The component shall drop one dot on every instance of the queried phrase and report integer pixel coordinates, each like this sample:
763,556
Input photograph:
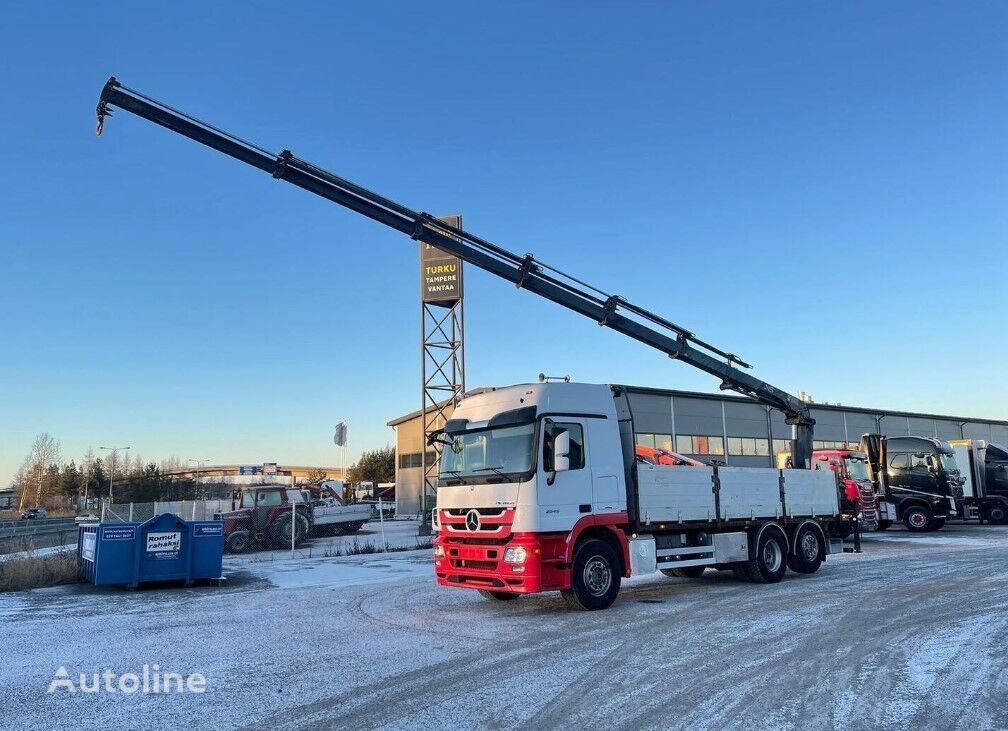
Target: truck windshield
948,463
857,469
484,452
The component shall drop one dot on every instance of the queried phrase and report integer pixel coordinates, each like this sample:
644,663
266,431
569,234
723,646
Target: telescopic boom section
526,272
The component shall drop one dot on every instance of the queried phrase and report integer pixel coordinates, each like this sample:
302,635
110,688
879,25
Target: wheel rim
997,515
917,520
810,546
772,557
597,576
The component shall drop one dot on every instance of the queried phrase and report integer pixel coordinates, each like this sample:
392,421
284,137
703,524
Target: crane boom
526,272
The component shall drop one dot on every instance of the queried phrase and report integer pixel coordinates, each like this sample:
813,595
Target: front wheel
842,530
768,563
595,576
238,542
918,519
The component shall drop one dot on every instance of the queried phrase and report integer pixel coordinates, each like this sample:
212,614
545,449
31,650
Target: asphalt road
910,634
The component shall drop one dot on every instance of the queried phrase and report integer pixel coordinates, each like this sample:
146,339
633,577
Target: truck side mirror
561,451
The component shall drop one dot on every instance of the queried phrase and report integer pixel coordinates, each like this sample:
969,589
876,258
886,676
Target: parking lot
911,631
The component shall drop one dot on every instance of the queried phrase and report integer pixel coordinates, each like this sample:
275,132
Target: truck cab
858,495
919,477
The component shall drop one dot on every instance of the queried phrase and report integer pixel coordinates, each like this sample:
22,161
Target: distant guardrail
11,528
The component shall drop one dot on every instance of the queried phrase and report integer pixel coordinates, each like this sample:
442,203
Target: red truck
857,495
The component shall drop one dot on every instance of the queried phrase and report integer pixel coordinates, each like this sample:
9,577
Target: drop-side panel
749,492
670,494
810,493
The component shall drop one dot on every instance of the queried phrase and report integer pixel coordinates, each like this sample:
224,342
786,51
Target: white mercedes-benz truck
540,490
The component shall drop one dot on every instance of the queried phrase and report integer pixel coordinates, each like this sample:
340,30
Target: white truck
984,467
540,490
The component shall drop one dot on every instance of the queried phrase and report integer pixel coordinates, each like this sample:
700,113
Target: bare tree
45,452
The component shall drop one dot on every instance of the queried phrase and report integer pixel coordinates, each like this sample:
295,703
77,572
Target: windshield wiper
457,475
492,469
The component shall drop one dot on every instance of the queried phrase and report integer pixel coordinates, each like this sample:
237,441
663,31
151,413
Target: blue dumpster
164,548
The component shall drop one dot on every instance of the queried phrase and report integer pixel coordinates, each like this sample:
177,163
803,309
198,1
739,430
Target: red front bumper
476,563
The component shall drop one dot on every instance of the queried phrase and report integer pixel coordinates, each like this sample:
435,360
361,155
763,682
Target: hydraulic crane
526,272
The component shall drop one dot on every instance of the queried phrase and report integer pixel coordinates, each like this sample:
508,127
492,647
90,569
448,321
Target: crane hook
102,111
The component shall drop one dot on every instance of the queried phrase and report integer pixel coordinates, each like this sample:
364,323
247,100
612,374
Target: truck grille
476,524
867,505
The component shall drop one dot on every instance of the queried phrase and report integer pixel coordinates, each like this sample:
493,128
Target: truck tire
501,596
885,524
918,519
768,562
996,514
809,550
238,542
282,530
595,576
686,572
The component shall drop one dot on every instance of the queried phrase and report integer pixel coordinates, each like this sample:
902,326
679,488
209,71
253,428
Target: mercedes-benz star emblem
472,520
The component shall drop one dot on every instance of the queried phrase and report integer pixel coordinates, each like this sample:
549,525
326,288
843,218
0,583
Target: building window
782,446
656,441
703,445
412,461
748,447
829,444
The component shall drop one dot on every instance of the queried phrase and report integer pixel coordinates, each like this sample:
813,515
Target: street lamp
112,467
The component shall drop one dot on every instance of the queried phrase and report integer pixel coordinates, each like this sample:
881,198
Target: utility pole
113,450
198,462
87,479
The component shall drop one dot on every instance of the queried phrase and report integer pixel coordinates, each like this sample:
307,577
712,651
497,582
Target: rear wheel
808,552
595,576
501,596
918,519
996,514
768,563
282,529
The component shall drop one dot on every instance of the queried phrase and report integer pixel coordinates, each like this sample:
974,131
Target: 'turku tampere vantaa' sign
440,272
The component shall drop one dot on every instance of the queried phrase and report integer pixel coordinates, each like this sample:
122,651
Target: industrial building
731,429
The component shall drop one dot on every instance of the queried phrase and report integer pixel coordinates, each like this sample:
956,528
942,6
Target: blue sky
819,187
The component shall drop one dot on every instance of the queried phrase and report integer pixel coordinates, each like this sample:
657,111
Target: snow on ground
910,634
49,551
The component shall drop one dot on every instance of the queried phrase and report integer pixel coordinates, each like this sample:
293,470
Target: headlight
517,554
438,551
